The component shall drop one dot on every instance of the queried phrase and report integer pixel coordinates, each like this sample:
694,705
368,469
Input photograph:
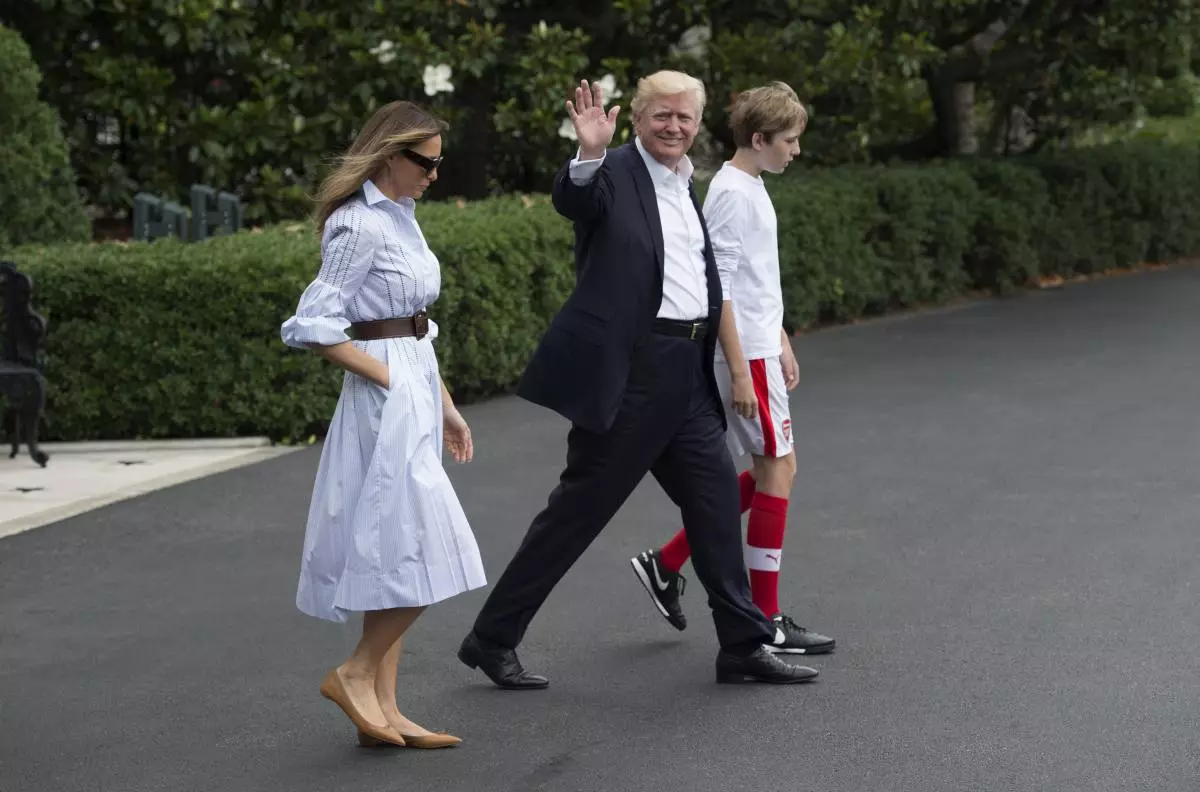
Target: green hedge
169,339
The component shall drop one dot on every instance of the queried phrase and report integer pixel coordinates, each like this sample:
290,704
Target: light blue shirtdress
385,527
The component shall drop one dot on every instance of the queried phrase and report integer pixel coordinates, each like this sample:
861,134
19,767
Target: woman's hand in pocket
356,361
381,376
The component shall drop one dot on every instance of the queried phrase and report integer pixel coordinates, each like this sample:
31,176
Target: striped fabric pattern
385,527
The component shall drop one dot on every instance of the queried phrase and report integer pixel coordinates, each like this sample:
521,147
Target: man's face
667,126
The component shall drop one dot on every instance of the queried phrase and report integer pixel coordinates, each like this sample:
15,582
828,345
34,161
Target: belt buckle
692,335
421,324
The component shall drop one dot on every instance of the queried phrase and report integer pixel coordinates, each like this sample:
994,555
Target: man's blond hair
667,83
769,109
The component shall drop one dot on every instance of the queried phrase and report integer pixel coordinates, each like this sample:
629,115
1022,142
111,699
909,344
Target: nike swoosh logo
779,636
658,581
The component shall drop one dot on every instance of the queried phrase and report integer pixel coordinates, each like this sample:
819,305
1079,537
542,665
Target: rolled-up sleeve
346,255
726,217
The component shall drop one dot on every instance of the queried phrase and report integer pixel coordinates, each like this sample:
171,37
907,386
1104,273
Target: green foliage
168,339
531,111
1178,130
1013,216
506,268
1117,204
1174,97
881,77
828,268
863,85
37,186
856,241
254,97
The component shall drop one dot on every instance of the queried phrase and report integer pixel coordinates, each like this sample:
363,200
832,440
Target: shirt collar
659,173
374,195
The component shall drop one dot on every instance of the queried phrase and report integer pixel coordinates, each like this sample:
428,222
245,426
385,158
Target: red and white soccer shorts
769,433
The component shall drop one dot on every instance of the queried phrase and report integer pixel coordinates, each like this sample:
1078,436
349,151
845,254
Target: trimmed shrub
37,185
1117,204
169,339
1012,216
828,268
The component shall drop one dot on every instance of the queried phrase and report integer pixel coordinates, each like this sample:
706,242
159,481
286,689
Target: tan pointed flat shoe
333,689
415,740
431,740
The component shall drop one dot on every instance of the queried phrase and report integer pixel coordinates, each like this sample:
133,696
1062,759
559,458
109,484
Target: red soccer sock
675,553
764,550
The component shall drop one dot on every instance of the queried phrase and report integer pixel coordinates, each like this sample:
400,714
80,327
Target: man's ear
758,141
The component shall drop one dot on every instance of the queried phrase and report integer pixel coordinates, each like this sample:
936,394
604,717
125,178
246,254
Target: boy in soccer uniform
755,366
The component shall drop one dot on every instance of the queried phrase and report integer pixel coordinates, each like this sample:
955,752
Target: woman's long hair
395,126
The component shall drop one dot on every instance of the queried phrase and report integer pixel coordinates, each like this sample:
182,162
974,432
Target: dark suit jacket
581,366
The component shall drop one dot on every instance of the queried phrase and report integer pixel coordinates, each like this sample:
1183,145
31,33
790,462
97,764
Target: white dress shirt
742,225
685,287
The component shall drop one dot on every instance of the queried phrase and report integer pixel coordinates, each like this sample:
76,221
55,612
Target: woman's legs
382,630
385,689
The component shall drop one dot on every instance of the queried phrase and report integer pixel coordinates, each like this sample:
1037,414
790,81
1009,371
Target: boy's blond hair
769,109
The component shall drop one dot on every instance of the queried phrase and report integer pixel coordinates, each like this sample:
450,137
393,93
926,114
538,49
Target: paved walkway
84,476
997,515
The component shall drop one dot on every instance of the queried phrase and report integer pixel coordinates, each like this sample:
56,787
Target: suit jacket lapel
649,200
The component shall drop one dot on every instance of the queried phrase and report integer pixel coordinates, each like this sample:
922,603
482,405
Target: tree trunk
952,86
944,93
465,172
964,114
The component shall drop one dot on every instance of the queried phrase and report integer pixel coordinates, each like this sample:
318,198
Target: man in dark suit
629,361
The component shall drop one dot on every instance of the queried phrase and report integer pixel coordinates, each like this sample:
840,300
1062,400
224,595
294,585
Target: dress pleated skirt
385,527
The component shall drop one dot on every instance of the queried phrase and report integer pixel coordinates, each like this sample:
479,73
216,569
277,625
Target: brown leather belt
397,327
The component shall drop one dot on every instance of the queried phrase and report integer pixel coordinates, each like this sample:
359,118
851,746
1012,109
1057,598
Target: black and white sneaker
791,638
664,587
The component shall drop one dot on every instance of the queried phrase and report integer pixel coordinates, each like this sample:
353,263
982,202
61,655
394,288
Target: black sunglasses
429,164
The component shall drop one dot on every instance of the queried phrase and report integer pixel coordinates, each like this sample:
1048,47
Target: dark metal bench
21,381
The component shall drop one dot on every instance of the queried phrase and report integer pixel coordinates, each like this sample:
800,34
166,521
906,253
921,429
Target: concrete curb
253,454
182,444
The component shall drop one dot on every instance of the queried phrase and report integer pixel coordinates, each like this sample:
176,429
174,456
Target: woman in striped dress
386,534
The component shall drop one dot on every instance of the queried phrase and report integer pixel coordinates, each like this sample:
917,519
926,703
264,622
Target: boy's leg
768,522
776,467
775,470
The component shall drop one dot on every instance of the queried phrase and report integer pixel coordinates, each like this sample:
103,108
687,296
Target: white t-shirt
741,224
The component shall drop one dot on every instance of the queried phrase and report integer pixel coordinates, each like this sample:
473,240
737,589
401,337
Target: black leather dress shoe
501,665
761,666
